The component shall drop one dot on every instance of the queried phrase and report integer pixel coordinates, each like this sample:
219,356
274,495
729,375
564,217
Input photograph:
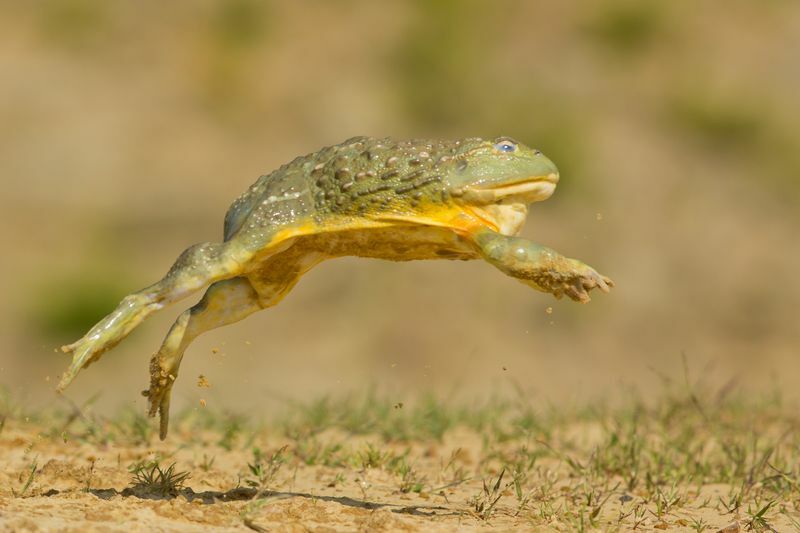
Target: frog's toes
578,291
604,283
159,393
69,348
159,400
84,352
578,284
160,382
106,334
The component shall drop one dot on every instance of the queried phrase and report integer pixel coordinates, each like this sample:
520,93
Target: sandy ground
84,483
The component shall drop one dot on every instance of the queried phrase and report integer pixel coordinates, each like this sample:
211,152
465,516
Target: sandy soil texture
373,466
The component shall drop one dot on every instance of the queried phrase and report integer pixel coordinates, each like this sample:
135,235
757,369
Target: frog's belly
275,274
399,243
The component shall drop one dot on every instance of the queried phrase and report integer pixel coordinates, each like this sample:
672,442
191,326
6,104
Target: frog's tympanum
366,197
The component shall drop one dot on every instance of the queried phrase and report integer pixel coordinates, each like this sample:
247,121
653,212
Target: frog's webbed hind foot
106,334
196,267
225,302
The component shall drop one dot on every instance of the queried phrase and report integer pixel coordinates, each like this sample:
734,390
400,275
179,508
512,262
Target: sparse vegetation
263,470
207,463
483,504
690,459
150,479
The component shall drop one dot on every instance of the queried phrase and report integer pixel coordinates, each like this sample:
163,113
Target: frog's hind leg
224,302
196,267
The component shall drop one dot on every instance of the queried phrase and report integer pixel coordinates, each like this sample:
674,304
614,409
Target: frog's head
500,171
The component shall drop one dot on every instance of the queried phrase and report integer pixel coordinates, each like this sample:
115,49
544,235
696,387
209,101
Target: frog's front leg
540,267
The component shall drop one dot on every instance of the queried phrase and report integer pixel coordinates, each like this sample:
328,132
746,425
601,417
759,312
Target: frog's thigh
279,276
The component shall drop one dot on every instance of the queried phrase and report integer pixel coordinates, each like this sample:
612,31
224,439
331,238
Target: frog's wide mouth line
519,186
524,190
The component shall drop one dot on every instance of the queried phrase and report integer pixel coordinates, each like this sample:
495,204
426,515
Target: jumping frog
366,197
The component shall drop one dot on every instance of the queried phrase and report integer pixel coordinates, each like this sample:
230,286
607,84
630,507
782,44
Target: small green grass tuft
263,470
150,479
207,463
484,503
757,518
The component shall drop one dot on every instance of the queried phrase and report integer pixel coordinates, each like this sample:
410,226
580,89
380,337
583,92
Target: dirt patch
678,464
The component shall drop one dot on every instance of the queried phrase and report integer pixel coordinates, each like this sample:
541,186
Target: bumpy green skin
368,177
362,174
397,200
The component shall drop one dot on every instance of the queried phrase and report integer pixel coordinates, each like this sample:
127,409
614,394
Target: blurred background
127,128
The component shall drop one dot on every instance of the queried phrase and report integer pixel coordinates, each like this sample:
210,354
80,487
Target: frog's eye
505,146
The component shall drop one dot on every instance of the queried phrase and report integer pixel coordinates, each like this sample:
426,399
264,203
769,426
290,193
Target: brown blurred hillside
127,128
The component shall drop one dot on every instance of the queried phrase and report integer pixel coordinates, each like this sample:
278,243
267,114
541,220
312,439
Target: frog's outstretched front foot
572,278
106,334
540,267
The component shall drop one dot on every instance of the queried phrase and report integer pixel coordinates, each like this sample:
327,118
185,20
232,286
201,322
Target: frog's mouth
525,190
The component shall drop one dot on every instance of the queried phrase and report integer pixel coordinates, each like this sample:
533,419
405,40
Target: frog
399,200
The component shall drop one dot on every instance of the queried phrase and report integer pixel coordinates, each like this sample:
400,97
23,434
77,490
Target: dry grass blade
28,481
485,502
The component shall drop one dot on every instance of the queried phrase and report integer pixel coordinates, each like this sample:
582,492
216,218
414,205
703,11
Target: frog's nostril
537,152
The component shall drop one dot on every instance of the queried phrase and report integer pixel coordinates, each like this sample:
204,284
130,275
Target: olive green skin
396,200
359,175
365,176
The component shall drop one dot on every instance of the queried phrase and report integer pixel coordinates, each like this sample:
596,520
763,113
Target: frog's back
341,178
281,196
282,191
